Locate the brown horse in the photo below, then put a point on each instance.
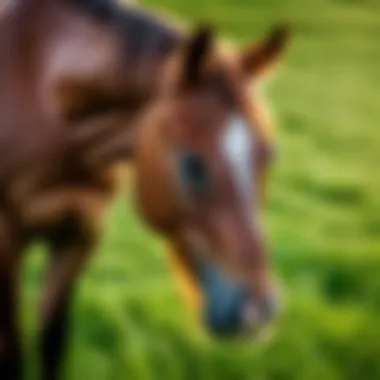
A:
(87, 85)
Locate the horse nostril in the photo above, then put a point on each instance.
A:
(269, 308)
(255, 314)
(251, 314)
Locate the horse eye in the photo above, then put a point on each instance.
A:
(194, 172)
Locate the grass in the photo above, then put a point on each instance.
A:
(323, 223)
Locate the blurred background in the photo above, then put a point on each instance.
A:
(322, 218)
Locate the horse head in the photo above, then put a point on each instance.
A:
(202, 159)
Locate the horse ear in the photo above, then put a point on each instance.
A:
(196, 53)
(261, 56)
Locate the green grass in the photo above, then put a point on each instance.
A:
(323, 221)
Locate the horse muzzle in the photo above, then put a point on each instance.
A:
(229, 308)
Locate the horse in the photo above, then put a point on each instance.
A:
(88, 85)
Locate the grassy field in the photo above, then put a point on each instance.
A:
(323, 220)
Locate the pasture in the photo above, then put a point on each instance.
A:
(322, 218)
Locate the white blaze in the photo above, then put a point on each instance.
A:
(237, 147)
